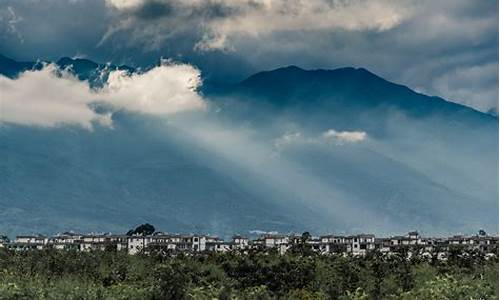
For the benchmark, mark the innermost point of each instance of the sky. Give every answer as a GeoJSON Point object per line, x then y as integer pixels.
{"type": "Point", "coordinates": [447, 48]}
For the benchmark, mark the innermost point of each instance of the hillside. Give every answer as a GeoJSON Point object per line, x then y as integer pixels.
{"type": "Point", "coordinates": [287, 150]}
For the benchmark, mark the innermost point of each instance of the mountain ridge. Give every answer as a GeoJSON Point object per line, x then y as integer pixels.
{"type": "Point", "coordinates": [351, 73]}
{"type": "Point", "coordinates": [87, 69]}
{"type": "Point", "coordinates": [342, 150]}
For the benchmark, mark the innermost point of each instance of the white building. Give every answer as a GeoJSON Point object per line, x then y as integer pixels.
{"type": "Point", "coordinates": [276, 241]}
{"type": "Point", "coordinates": [333, 244]}
{"type": "Point", "coordinates": [214, 244]}
{"type": "Point", "coordinates": [240, 242]}
{"type": "Point", "coordinates": [137, 243]}
{"type": "Point", "coordinates": [360, 244]}
{"type": "Point", "coordinates": [67, 240]}
{"type": "Point", "coordinates": [29, 242]}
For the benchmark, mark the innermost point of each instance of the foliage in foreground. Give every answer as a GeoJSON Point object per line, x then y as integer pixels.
{"type": "Point", "coordinates": [52, 274]}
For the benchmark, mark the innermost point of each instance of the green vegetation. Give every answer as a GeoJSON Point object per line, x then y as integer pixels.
{"type": "Point", "coordinates": [52, 274]}
{"type": "Point", "coordinates": [144, 229]}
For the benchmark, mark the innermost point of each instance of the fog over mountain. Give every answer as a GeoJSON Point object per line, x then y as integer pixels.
{"type": "Point", "coordinates": [284, 150]}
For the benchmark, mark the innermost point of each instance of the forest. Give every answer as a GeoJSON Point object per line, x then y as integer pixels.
{"type": "Point", "coordinates": [299, 274]}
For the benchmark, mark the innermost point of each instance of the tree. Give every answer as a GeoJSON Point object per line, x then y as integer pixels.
{"type": "Point", "coordinates": [306, 236]}
{"type": "Point", "coordinates": [144, 229]}
{"type": "Point", "coordinates": [4, 238]}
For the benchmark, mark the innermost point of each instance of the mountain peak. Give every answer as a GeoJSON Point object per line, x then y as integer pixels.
{"type": "Point", "coordinates": [77, 63]}
{"type": "Point", "coordinates": [291, 68]}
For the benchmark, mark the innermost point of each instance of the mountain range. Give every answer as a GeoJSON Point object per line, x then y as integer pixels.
{"type": "Point", "coordinates": [284, 150]}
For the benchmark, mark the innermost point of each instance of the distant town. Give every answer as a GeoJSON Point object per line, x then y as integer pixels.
{"type": "Point", "coordinates": [145, 239]}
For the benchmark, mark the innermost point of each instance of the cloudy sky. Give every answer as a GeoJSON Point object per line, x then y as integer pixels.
{"type": "Point", "coordinates": [447, 48]}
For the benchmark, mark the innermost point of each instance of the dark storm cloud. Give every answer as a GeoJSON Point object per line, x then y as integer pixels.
{"type": "Point", "coordinates": [445, 48]}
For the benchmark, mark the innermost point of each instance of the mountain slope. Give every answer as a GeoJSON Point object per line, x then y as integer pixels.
{"type": "Point", "coordinates": [289, 150]}
{"type": "Point", "coordinates": [345, 89]}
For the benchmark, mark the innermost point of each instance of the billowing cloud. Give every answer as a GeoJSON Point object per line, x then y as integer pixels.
{"type": "Point", "coordinates": [51, 97]}
{"type": "Point", "coordinates": [44, 99]}
{"type": "Point", "coordinates": [167, 89]}
{"type": "Point", "coordinates": [221, 20]}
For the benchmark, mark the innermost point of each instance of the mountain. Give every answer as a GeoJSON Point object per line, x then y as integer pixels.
{"type": "Point", "coordinates": [348, 90]}
{"type": "Point", "coordinates": [10, 67]}
{"type": "Point", "coordinates": [91, 71]}
{"type": "Point", "coordinates": [84, 69]}
{"type": "Point", "coordinates": [287, 150]}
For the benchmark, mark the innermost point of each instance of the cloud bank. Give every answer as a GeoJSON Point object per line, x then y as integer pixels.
{"type": "Point", "coordinates": [221, 20]}
{"type": "Point", "coordinates": [50, 97]}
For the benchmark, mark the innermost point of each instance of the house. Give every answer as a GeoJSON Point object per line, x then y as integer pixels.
{"type": "Point", "coordinates": [29, 242]}
{"type": "Point", "coordinates": [413, 235]}
{"type": "Point", "coordinates": [137, 243]}
{"type": "Point", "coordinates": [31, 239]}
{"type": "Point", "coordinates": [194, 243]}
{"type": "Point", "coordinates": [383, 245]}
{"type": "Point", "coordinates": [167, 242]}
{"type": "Point", "coordinates": [332, 244]}
{"type": "Point", "coordinates": [314, 243]}
{"type": "Point", "coordinates": [65, 241]}
{"type": "Point", "coordinates": [276, 241]}
{"type": "Point", "coordinates": [239, 242]}
{"type": "Point", "coordinates": [214, 244]}
{"type": "Point", "coordinates": [119, 242]}
{"type": "Point", "coordinates": [161, 242]}
{"type": "Point", "coordinates": [103, 242]}
{"type": "Point", "coordinates": [360, 244]}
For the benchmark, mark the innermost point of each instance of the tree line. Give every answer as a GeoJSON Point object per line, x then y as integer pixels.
{"type": "Point", "coordinates": [259, 274]}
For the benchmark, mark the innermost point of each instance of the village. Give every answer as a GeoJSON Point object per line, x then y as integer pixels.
{"type": "Point", "coordinates": [359, 244]}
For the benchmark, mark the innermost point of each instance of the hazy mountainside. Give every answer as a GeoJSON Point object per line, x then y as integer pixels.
{"type": "Point", "coordinates": [112, 179]}
{"type": "Point", "coordinates": [289, 150]}
{"type": "Point", "coordinates": [352, 91]}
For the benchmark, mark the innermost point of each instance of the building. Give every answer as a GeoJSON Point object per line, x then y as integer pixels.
{"type": "Point", "coordinates": [239, 242]}
{"type": "Point", "coordinates": [333, 244]}
{"type": "Point", "coordinates": [360, 244]}
{"type": "Point", "coordinates": [410, 244]}
{"type": "Point", "coordinates": [28, 242]}
{"type": "Point", "coordinates": [137, 243]}
{"type": "Point", "coordinates": [66, 240]}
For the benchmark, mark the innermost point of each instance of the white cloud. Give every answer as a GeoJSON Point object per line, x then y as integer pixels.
{"type": "Point", "coordinates": [312, 15]}
{"type": "Point", "coordinates": [167, 89]}
{"type": "Point", "coordinates": [49, 97]}
{"type": "Point", "coordinates": [331, 135]}
{"type": "Point", "coordinates": [124, 4]}
{"type": "Point", "coordinates": [44, 99]}
{"type": "Point", "coordinates": [344, 136]}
